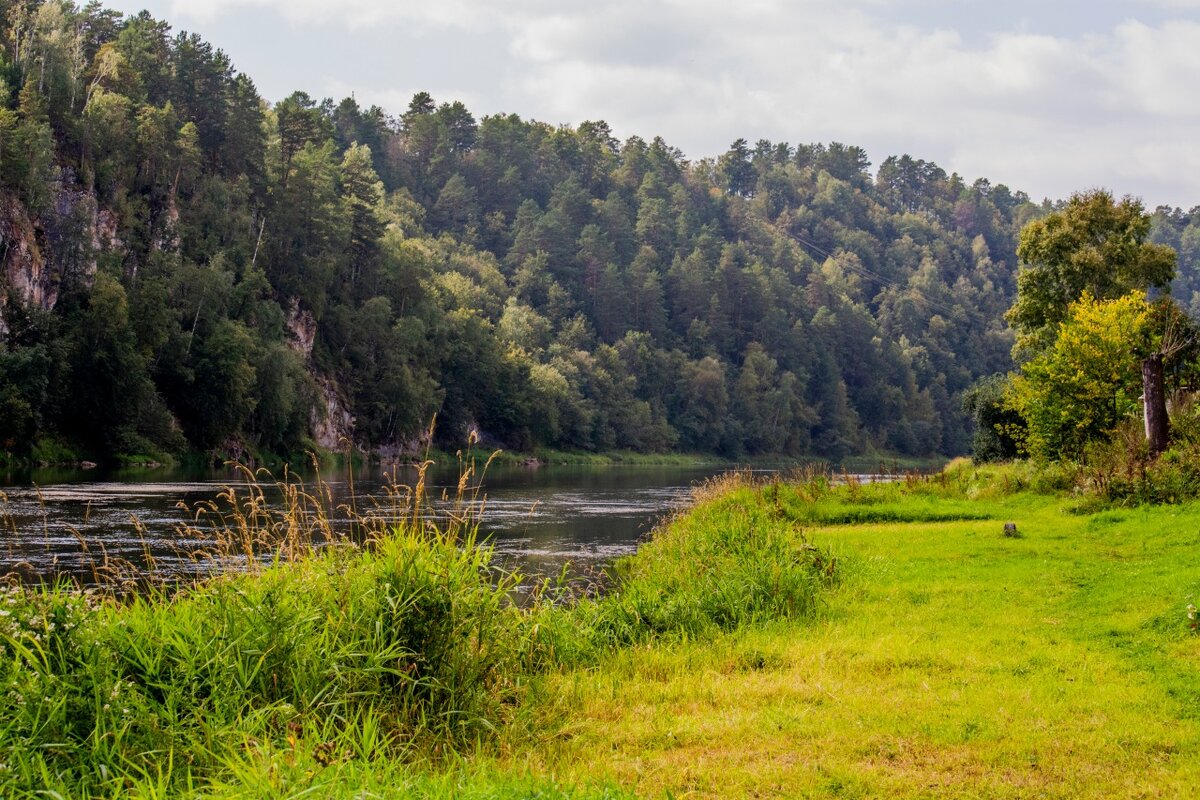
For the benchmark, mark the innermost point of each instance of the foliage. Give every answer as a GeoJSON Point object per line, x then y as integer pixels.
{"type": "Point", "coordinates": [998, 428]}
{"type": "Point", "coordinates": [409, 639]}
{"type": "Point", "coordinates": [1089, 379]}
{"type": "Point", "coordinates": [274, 272]}
{"type": "Point", "coordinates": [1093, 245]}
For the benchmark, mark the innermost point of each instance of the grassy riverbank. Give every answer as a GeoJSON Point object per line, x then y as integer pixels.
{"type": "Point", "coordinates": [856, 464]}
{"type": "Point", "coordinates": [408, 651]}
{"type": "Point", "coordinates": [787, 639]}
{"type": "Point", "coordinates": [951, 661]}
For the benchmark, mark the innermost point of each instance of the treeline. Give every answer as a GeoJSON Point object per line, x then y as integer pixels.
{"type": "Point", "coordinates": [1180, 230]}
{"type": "Point", "coordinates": [188, 268]}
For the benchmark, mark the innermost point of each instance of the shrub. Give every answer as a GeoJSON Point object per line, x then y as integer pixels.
{"type": "Point", "coordinates": [1120, 469]}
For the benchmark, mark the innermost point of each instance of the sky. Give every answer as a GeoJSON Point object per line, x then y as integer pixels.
{"type": "Point", "coordinates": [1046, 96]}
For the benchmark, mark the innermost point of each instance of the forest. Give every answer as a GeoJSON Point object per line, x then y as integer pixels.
{"type": "Point", "coordinates": [188, 268]}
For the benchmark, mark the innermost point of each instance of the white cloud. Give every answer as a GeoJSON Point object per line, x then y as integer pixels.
{"type": "Point", "coordinates": [1186, 5]}
{"type": "Point", "coordinates": [353, 13]}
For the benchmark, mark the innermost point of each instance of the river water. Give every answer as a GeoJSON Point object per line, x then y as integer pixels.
{"type": "Point", "coordinates": [537, 519]}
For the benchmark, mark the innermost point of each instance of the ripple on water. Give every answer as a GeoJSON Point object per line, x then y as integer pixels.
{"type": "Point", "coordinates": [533, 525]}
{"type": "Point", "coordinates": [113, 491]}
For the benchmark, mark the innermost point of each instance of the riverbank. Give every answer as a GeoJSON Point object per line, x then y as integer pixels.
{"type": "Point", "coordinates": [779, 639]}
{"type": "Point", "coordinates": [52, 456]}
{"type": "Point", "coordinates": [543, 457]}
{"type": "Point", "coordinates": [951, 661]}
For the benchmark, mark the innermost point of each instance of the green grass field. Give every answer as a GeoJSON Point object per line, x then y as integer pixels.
{"type": "Point", "coordinates": [951, 661]}
{"type": "Point", "coordinates": [916, 651]}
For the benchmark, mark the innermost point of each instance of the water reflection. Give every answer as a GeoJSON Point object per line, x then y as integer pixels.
{"type": "Point", "coordinates": [537, 519]}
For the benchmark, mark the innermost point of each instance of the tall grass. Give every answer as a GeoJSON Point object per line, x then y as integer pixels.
{"type": "Point", "coordinates": [412, 641]}
{"type": "Point", "coordinates": [731, 562]}
{"type": "Point", "coordinates": [718, 565]}
{"type": "Point", "coordinates": [308, 649]}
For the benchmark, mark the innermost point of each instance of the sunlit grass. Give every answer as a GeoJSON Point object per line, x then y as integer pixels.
{"type": "Point", "coordinates": [950, 662]}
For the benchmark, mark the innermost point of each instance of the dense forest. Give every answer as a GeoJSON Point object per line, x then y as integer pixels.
{"type": "Point", "coordinates": [188, 268]}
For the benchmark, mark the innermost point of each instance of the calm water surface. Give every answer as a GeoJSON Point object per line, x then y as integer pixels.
{"type": "Point", "coordinates": [538, 519]}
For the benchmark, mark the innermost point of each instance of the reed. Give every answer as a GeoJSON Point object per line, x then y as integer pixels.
{"type": "Point", "coordinates": [375, 638]}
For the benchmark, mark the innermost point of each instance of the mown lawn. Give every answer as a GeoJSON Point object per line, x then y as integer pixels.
{"type": "Point", "coordinates": [951, 661]}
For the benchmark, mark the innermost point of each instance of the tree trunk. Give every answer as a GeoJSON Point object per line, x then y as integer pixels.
{"type": "Point", "coordinates": [1154, 399]}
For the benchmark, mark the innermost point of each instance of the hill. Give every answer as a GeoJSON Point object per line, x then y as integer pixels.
{"type": "Point", "coordinates": [187, 268]}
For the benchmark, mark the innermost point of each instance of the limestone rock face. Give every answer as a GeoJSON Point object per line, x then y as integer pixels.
{"type": "Point", "coordinates": [24, 264]}
{"type": "Point", "coordinates": [332, 424]}
{"type": "Point", "coordinates": [404, 451]}
{"type": "Point", "coordinates": [302, 329]}
{"type": "Point", "coordinates": [38, 255]}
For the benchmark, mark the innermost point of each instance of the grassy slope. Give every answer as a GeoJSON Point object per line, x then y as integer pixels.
{"type": "Point", "coordinates": [954, 662]}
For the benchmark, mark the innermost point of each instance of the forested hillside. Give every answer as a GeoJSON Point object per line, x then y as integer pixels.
{"type": "Point", "coordinates": [1180, 230]}
{"type": "Point", "coordinates": [186, 267]}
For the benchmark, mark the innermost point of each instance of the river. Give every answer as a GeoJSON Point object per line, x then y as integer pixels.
{"type": "Point", "coordinates": [537, 519]}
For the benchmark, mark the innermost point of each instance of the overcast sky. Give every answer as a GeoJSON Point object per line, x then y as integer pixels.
{"type": "Point", "coordinates": [1047, 96]}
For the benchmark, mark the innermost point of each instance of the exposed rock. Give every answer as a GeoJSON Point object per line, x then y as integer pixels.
{"type": "Point", "coordinates": [70, 235]}
{"type": "Point", "coordinates": [39, 254]}
{"type": "Point", "coordinates": [302, 327]}
{"type": "Point", "coordinates": [168, 240]}
{"type": "Point", "coordinates": [332, 424]}
{"type": "Point", "coordinates": [24, 266]}
{"type": "Point", "coordinates": [404, 451]}
{"type": "Point", "coordinates": [105, 236]}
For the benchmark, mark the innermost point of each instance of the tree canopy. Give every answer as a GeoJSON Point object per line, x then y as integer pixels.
{"type": "Point", "coordinates": [1093, 245]}
{"type": "Point", "coordinates": [1088, 380]}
